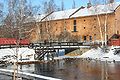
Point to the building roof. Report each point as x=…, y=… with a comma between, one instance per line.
x=57, y=15
x=115, y=36
x=93, y=10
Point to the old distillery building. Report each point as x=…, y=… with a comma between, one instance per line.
x=91, y=23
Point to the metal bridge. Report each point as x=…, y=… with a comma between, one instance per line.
x=60, y=45
x=51, y=48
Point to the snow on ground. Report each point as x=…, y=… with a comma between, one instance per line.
x=23, y=54
x=98, y=54
x=26, y=54
x=111, y=56
x=93, y=53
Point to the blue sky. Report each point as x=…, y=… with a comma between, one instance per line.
x=67, y=3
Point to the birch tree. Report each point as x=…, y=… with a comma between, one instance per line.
x=96, y=11
x=49, y=7
x=107, y=7
x=19, y=14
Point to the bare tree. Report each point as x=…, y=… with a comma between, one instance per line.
x=19, y=14
x=74, y=5
x=95, y=4
x=108, y=5
x=49, y=8
x=62, y=5
x=1, y=19
x=106, y=17
x=1, y=12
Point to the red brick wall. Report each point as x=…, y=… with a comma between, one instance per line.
x=114, y=42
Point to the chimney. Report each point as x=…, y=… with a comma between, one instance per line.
x=82, y=7
x=111, y=1
x=89, y=5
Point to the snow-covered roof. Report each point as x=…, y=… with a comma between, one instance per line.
x=93, y=10
x=57, y=15
x=98, y=9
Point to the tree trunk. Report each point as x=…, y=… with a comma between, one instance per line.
x=99, y=24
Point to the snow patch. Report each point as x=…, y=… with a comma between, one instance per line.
x=23, y=54
x=98, y=54
x=93, y=53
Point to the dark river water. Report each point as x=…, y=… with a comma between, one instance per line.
x=79, y=69
x=76, y=69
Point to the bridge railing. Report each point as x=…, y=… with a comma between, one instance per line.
x=50, y=44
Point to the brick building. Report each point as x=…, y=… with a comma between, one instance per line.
x=80, y=24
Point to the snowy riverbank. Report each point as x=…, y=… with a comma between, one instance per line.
x=27, y=54
x=99, y=54
x=23, y=54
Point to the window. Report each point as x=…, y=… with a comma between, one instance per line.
x=94, y=37
x=65, y=29
x=74, y=22
x=90, y=38
x=107, y=37
x=41, y=28
x=85, y=38
x=80, y=38
x=74, y=26
x=117, y=32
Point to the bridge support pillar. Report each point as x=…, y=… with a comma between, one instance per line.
x=57, y=53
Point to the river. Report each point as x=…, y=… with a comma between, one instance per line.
x=76, y=69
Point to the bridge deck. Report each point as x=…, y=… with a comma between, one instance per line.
x=44, y=49
x=60, y=45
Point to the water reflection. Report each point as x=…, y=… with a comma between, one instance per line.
x=73, y=69
x=79, y=69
